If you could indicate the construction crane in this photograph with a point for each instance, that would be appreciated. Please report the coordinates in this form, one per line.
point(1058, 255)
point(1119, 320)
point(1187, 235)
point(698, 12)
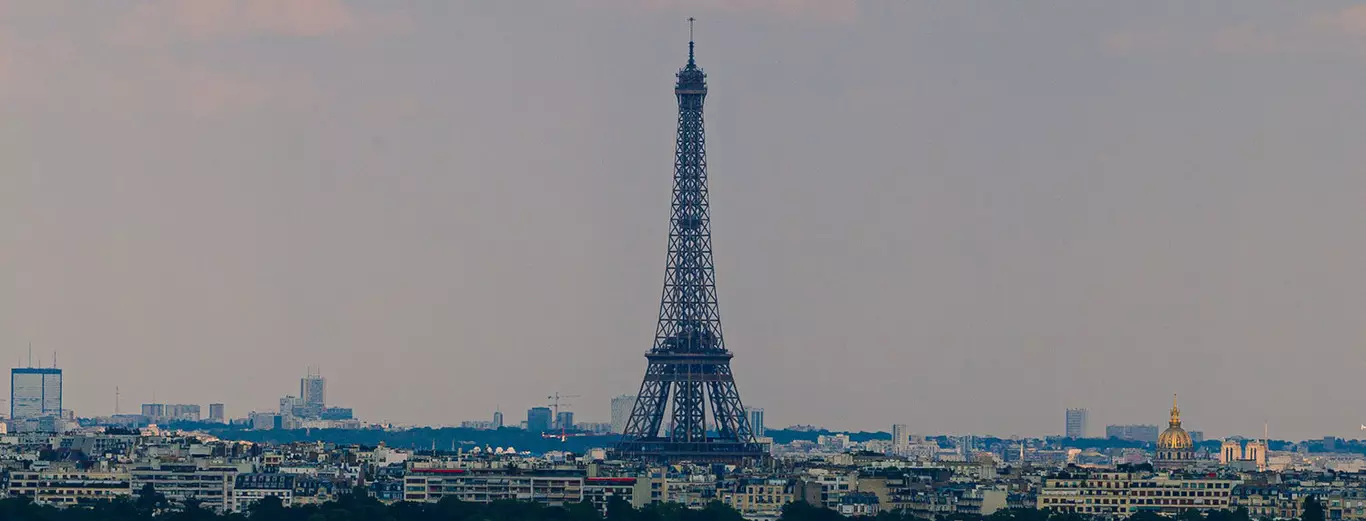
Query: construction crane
point(555, 403)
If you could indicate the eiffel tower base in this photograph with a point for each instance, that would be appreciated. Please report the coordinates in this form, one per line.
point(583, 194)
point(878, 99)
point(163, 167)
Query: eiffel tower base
point(664, 451)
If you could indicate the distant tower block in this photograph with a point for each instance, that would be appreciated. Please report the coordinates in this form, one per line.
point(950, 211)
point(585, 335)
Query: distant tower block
point(1076, 423)
point(901, 436)
point(313, 389)
point(621, 412)
point(35, 392)
point(689, 366)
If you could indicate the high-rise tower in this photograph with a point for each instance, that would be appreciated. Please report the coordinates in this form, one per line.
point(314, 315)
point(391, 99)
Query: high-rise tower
point(313, 389)
point(689, 366)
point(1076, 423)
point(35, 392)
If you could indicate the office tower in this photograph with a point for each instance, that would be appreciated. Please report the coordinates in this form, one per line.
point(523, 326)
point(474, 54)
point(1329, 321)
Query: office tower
point(1076, 423)
point(756, 420)
point(593, 427)
point(336, 413)
point(621, 412)
point(313, 390)
point(497, 419)
point(538, 419)
point(289, 404)
point(689, 373)
point(216, 413)
point(183, 412)
point(1144, 433)
point(154, 411)
point(35, 392)
point(564, 420)
point(901, 436)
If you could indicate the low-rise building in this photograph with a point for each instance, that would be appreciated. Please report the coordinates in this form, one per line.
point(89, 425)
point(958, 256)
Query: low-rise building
point(760, 496)
point(1123, 493)
point(58, 486)
point(859, 504)
point(602, 490)
point(825, 488)
point(548, 487)
point(250, 488)
point(211, 485)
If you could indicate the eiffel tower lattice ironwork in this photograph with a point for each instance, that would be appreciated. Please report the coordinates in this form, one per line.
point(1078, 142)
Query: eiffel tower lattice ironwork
point(689, 366)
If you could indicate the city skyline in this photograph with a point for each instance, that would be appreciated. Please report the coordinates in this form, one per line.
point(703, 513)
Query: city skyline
point(548, 419)
point(924, 212)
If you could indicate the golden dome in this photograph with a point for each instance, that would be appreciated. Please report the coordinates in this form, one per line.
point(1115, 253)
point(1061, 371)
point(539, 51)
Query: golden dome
point(1175, 438)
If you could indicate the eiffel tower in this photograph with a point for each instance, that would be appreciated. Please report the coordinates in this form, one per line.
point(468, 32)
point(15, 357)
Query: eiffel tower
point(689, 366)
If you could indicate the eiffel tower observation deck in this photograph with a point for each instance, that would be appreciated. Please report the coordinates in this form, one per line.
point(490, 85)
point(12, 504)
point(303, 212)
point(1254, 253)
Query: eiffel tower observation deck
point(688, 380)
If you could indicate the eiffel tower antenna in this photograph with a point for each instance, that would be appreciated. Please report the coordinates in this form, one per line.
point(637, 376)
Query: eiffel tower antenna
point(689, 373)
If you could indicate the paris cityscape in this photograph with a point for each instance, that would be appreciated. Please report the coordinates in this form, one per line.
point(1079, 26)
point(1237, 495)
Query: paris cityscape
point(461, 429)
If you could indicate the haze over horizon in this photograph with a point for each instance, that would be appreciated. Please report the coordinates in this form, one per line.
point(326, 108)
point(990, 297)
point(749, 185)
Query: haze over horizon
point(963, 216)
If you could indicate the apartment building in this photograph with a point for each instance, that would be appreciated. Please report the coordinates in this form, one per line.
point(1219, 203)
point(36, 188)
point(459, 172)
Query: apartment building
point(250, 488)
point(209, 484)
point(1123, 493)
point(1341, 501)
point(760, 496)
point(68, 486)
point(602, 490)
point(548, 487)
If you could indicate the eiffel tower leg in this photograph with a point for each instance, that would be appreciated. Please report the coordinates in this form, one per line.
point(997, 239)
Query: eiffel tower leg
point(731, 421)
point(648, 412)
point(690, 420)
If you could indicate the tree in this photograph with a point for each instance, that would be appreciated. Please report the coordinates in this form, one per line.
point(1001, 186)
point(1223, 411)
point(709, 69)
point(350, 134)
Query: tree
point(1146, 515)
point(1190, 514)
point(583, 511)
point(619, 510)
point(453, 509)
point(193, 511)
point(1019, 514)
point(268, 508)
point(1067, 516)
point(1313, 510)
point(803, 511)
point(718, 511)
point(149, 500)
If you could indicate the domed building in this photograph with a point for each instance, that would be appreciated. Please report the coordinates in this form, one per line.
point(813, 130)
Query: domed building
point(1174, 446)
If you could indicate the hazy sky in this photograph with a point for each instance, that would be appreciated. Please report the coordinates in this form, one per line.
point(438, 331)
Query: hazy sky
point(965, 216)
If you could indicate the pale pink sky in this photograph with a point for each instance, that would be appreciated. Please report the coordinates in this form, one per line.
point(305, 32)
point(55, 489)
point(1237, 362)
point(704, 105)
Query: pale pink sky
point(965, 216)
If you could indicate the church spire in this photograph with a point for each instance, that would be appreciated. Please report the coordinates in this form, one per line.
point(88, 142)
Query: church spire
point(1176, 413)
